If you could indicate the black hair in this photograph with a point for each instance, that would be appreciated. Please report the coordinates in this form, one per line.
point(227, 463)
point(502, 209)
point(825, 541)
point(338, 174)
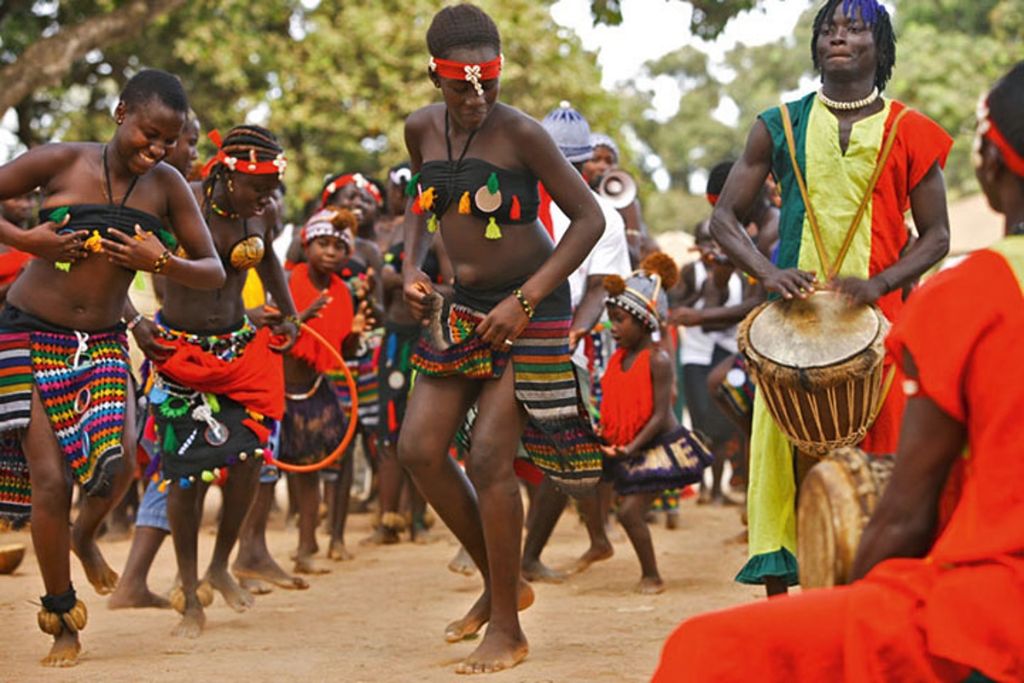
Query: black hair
point(462, 25)
point(150, 83)
point(717, 176)
point(874, 15)
point(247, 143)
point(1006, 107)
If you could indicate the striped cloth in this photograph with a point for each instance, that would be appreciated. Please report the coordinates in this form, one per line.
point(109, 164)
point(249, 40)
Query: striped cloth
point(82, 380)
point(364, 369)
point(558, 437)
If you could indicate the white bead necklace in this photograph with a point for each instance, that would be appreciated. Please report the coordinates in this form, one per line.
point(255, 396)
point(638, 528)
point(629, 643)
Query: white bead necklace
point(847, 106)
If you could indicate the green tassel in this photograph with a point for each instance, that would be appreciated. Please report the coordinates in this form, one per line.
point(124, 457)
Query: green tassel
point(170, 444)
point(211, 400)
point(492, 182)
point(493, 231)
point(167, 238)
point(63, 265)
point(410, 187)
point(432, 223)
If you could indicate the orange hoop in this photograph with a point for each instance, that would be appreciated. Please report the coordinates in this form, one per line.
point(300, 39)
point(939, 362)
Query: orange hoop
point(349, 433)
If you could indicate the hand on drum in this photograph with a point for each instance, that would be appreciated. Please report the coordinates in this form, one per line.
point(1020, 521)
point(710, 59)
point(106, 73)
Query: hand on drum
point(790, 283)
point(857, 291)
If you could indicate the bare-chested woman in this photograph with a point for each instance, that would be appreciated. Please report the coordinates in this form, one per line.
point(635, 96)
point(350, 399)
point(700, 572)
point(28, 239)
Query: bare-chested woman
point(62, 335)
point(476, 164)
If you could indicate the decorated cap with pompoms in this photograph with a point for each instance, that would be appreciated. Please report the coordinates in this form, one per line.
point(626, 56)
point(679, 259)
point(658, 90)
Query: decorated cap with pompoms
point(331, 221)
point(642, 294)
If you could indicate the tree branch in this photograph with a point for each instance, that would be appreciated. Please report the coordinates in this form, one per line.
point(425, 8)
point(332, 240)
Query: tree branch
point(47, 61)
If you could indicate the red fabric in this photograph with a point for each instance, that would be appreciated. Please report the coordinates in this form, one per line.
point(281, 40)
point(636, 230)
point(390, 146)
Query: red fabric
point(527, 471)
point(333, 323)
point(627, 401)
point(11, 263)
point(485, 71)
point(544, 210)
point(961, 608)
point(256, 380)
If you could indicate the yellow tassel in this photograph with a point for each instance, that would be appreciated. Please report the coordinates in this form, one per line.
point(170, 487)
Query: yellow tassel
point(493, 231)
point(94, 244)
point(162, 487)
point(427, 199)
point(432, 223)
point(464, 207)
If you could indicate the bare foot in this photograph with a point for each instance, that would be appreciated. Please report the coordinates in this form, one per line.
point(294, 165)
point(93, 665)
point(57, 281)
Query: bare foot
point(268, 571)
point(462, 563)
point(191, 624)
point(496, 652)
point(64, 652)
point(650, 585)
point(99, 573)
point(593, 554)
point(538, 572)
point(424, 536)
point(480, 612)
point(304, 564)
point(338, 552)
point(381, 536)
point(129, 596)
point(294, 555)
point(672, 520)
point(237, 597)
point(255, 586)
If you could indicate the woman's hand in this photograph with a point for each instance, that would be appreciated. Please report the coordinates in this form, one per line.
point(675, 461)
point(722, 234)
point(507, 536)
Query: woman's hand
point(140, 251)
point(288, 329)
point(614, 451)
point(148, 342)
point(45, 242)
point(857, 291)
point(503, 324)
point(791, 283)
point(416, 290)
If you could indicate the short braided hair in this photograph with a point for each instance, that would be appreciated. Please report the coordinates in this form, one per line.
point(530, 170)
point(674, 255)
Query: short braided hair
point(462, 25)
point(877, 18)
point(247, 143)
point(150, 83)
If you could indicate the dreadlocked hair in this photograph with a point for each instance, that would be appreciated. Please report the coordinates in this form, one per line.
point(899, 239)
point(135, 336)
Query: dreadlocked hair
point(614, 284)
point(1006, 107)
point(150, 83)
point(661, 264)
point(247, 143)
point(462, 25)
point(874, 15)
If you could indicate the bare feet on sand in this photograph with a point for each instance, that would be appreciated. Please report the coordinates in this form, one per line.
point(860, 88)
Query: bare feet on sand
point(538, 572)
point(255, 586)
point(99, 573)
point(237, 597)
point(462, 563)
point(64, 652)
point(480, 612)
point(595, 553)
point(650, 585)
point(338, 552)
point(138, 595)
point(305, 564)
point(265, 569)
point(496, 652)
point(381, 536)
point(191, 624)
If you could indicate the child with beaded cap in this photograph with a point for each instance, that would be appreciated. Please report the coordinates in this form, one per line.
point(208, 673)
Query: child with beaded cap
point(648, 450)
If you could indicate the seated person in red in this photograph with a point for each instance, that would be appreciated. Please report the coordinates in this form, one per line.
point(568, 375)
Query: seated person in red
point(940, 595)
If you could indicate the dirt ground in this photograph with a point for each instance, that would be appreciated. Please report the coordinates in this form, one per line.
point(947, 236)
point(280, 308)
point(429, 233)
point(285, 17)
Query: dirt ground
point(380, 617)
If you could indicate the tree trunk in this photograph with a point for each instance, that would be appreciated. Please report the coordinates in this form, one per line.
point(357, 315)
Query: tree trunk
point(47, 61)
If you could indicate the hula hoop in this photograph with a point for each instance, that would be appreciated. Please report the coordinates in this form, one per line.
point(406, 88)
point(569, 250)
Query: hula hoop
point(349, 433)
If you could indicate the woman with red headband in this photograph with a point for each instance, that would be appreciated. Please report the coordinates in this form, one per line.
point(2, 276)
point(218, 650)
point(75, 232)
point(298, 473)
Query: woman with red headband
point(502, 343)
point(217, 384)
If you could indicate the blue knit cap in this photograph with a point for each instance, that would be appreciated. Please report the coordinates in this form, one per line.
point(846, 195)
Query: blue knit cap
point(570, 131)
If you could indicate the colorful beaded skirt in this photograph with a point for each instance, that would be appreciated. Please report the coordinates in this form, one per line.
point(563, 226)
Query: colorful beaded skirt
point(672, 461)
point(558, 438)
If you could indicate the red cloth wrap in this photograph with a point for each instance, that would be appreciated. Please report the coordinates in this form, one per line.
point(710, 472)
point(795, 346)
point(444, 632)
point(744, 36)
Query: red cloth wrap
point(256, 379)
point(333, 323)
point(11, 263)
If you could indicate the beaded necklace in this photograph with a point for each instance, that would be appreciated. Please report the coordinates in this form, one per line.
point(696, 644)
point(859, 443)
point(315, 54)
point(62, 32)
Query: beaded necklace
point(847, 106)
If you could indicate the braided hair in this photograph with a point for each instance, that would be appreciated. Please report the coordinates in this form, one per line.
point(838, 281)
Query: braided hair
point(462, 25)
point(877, 18)
point(247, 143)
point(1006, 107)
point(150, 83)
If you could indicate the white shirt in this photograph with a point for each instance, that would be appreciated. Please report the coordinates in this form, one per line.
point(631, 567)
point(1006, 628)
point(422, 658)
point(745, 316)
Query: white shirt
point(698, 346)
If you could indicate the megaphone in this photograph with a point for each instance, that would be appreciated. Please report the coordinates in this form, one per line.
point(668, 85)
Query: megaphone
point(618, 187)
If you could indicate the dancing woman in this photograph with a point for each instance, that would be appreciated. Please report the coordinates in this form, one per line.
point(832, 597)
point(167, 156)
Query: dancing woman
point(476, 164)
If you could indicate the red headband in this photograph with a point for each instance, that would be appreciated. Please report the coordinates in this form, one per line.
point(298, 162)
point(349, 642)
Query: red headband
point(712, 199)
point(349, 178)
point(276, 166)
point(474, 73)
point(1011, 157)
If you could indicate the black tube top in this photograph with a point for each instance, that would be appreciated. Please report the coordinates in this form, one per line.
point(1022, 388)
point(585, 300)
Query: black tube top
point(451, 180)
point(106, 217)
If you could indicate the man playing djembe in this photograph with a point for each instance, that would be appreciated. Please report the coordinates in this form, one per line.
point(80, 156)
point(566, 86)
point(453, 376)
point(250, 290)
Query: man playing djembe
point(842, 226)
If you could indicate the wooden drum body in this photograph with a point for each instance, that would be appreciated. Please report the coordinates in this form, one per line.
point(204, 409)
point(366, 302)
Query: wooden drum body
point(818, 364)
point(837, 498)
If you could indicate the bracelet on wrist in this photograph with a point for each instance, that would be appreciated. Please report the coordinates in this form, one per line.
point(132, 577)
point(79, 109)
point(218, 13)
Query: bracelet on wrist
point(293, 319)
point(524, 303)
point(161, 261)
point(133, 323)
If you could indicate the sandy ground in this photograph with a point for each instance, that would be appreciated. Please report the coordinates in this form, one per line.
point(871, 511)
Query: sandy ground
point(380, 617)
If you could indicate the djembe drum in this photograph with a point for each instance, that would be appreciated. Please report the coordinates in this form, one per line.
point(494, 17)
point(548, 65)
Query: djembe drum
point(818, 364)
point(837, 498)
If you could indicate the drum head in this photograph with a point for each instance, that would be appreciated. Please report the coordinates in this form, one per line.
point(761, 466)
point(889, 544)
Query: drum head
point(815, 332)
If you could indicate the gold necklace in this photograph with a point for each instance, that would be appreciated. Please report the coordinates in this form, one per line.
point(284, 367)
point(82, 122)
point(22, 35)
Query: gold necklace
point(847, 106)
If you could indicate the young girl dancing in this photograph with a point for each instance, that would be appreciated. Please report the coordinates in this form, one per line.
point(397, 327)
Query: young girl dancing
point(648, 450)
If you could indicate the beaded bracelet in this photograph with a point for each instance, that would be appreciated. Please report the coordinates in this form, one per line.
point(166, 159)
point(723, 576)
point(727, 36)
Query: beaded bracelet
point(294, 319)
point(527, 306)
point(161, 261)
point(133, 323)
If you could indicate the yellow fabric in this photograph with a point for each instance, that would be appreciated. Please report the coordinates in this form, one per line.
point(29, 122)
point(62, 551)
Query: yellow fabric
point(252, 292)
point(771, 496)
point(836, 184)
point(1012, 249)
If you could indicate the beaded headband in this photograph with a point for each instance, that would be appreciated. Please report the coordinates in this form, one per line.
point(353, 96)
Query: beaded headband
point(473, 73)
point(321, 224)
point(358, 179)
point(250, 166)
point(988, 130)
